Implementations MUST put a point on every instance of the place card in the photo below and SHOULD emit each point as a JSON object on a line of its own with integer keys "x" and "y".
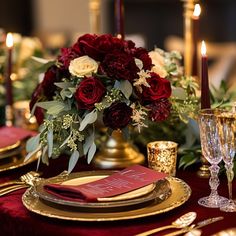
{"x": 120, "y": 182}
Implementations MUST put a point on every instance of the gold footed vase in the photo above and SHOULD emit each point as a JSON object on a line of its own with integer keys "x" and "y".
{"x": 117, "y": 153}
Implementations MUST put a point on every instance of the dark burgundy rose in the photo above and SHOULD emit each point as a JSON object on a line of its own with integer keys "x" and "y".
{"x": 53, "y": 74}
{"x": 119, "y": 66}
{"x": 89, "y": 92}
{"x": 86, "y": 45}
{"x": 142, "y": 54}
{"x": 36, "y": 97}
{"x": 159, "y": 110}
{"x": 67, "y": 54}
{"x": 117, "y": 116}
{"x": 159, "y": 88}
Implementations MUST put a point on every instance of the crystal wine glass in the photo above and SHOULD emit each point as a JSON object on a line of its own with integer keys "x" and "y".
{"x": 211, "y": 151}
{"x": 227, "y": 129}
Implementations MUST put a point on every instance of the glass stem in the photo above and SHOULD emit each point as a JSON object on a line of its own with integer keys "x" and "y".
{"x": 214, "y": 180}
{"x": 230, "y": 177}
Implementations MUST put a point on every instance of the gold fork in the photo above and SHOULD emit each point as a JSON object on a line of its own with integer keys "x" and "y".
{"x": 10, "y": 189}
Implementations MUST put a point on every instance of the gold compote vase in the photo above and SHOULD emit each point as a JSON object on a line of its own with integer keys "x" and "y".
{"x": 117, "y": 153}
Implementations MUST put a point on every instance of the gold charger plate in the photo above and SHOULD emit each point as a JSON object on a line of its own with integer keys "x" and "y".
{"x": 17, "y": 160}
{"x": 158, "y": 192}
{"x": 180, "y": 194}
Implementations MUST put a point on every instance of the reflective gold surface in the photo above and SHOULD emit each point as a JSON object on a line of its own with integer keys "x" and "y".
{"x": 180, "y": 194}
{"x": 117, "y": 153}
{"x": 162, "y": 156}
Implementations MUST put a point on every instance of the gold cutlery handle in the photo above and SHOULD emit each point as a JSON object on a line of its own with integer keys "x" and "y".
{"x": 152, "y": 231}
{"x": 12, "y": 182}
{"x": 11, "y": 189}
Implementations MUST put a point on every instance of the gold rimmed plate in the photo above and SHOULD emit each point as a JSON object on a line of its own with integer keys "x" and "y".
{"x": 180, "y": 193}
{"x": 16, "y": 159}
{"x": 157, "y": 191}
{"x": 8, "y": 150}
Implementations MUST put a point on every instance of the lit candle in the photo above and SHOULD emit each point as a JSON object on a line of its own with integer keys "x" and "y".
{"x": 195, "y": 18}
{"x": 119, "y": 16}
{"x": 9, "y": 96}
{"x": 205, "y": 92}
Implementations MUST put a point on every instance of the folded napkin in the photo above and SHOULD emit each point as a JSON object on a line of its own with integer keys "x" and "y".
{"x": 120, "y": 182}
{"x": 10, "y": 135}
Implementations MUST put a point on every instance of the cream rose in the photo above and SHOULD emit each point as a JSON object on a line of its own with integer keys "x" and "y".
{"x": 158, "y": 62}
{"x": 82, "y": 66}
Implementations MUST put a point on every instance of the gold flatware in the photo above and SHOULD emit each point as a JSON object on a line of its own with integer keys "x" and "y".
{"x": 182, "y": 222}
{"x": 197, "y": 226}
{"x": 226, "y": 232}
{"x": 27, "y": 178}
{"x": 10, "y": 189}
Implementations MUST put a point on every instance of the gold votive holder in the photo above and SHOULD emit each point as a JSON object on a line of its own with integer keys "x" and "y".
{"x": 162, "y": 156}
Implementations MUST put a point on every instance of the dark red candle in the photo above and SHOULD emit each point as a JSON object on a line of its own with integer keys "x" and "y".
{"x": 119, "y": 18}
{"x": 195, "y": 25}
{"x": 9, "y": 95}
{"x": 205, "y": 92}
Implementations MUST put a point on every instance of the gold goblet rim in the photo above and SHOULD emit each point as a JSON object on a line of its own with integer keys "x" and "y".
{"x": 162, "y": 144}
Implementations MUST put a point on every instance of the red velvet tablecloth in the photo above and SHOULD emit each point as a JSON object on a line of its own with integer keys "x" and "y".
{"x": 15, "y": 219}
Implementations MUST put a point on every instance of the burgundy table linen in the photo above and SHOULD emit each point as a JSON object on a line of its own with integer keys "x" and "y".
{"x": 15, "y": 219}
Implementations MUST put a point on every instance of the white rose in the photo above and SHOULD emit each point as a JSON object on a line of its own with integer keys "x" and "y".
{"x": 159, "y": 70}
{"x": 82, "y": 66}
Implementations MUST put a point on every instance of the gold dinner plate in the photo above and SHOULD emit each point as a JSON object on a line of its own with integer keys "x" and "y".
{"x": 158, "y": 191}
{"x": 16, "y": 160}
{"x": 180, "y": 194}
{"x": 8, "y": 150}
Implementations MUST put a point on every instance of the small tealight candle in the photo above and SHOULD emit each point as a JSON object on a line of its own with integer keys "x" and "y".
{"x": 205, "y": 92}
{"x": 119, "y": 15}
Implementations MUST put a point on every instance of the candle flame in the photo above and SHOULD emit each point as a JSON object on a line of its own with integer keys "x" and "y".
{"x": 197, "y": 10}
{"x": 203, "y": 48}
{"x": 9, "y": 40}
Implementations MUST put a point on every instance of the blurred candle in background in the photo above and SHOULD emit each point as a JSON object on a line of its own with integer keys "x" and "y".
{"x": 8, "y": 82}
{"x": 205, "y": 92}
{"x": 195, "y": 18}
{"x": 119, "y": 18}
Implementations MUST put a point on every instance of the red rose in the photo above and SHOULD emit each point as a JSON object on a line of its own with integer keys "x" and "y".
{"x": 89, "y": 92}
{"x": 117, "y": 116}
{"x": 53, "y": 74}
{"x": 159, "y": 88}
{"x": 142, "y": 54}
{"x": 120, "y": 66}
{"x": 67, "y": 54}
{"x": 159, "y": 110}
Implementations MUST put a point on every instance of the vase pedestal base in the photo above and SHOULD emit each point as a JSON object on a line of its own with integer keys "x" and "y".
{"x": 117, "y": 154}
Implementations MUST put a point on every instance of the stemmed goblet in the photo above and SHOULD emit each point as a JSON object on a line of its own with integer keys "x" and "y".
{"x": 211, "y": 151}
{"x": 227, "y": 128}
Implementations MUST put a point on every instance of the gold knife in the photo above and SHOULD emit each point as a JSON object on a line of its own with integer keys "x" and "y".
{"x": 199, "y": 225}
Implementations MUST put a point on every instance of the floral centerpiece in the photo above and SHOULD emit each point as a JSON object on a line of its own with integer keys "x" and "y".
{"x": 109, "y": 79}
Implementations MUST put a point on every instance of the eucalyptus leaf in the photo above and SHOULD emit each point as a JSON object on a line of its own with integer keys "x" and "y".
{"x": 88, "y": 143}
{"x": 32, "y": 143}
{"x": 66, "y": 94}
{"x": 73, "y": 160}
{"x": 41, "y": 60}
{"x": 64, "y": 85}
{"x": 30, "y": 154}
{"x": 57, "y": 108}
{"x": 45, "y": 156}
{"x": 66, "y": 140}
{"x": 179, "y": 93}
{"x": 50, "y": 142}
{"x": 91, "y": 152}
{"x": 125, "y": 87}
{"x": 88, "y": 119}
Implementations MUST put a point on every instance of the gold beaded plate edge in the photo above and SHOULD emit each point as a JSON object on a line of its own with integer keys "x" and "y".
{"x": 180, "y": 194}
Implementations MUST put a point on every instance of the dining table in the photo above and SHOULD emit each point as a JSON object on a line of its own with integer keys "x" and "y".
{"x": 15, "y": 219}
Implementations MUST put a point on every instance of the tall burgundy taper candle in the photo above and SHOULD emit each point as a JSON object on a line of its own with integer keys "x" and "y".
{"x": 8, "y": 82}
{"x": 195, "y": 19}
{"x": 9, "y": 44}
{"x": 119, "y": 18}
{"x": 205, "y": 92}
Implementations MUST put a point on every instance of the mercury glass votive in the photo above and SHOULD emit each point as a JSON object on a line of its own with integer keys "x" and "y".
{"x": 162, "y": 156}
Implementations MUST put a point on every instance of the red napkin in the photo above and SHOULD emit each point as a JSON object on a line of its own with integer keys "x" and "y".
{"x": 123, "y": 181}
{"x": 10, "y": 135}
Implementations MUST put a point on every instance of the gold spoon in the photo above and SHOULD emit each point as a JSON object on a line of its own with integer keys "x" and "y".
{"x": 181, "y": 222}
